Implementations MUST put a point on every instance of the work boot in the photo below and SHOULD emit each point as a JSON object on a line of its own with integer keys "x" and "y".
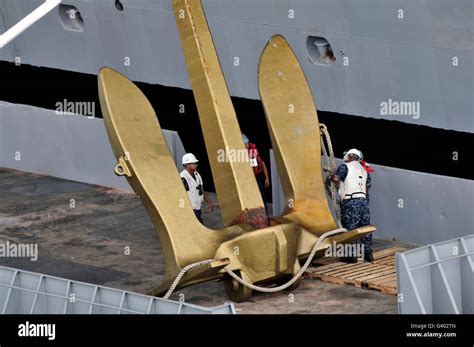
{"x": 369, "y": 257}
{"x": 349, "y": 259}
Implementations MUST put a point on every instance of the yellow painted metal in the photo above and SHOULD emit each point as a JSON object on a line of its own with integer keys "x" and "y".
{"x": 141, "y": 150}
{"x": 294, "y": 130}
{"x": 259, "y": 255}
{"x": 236, "y": 187}
{"x": 144, "y": 159}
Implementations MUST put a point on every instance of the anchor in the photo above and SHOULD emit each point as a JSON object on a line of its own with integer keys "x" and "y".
{"x": 252, "y": 249}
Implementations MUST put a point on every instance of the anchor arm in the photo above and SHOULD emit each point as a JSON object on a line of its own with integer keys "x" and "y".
{"x": 292, "y": 119}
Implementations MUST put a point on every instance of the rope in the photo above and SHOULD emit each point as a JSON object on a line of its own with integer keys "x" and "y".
{"x": 330, "y": 167}
{"x": 182, "y": 272}
{"x": 295, "y": 277}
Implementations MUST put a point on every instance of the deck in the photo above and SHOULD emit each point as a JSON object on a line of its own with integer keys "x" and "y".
{"x": 104, "y": 236}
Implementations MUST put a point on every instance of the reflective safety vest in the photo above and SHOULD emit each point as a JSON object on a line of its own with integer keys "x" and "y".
{"x": 354, "y": 185}
{"x": 255, "y": 160}
{"x": 194, "y": 188}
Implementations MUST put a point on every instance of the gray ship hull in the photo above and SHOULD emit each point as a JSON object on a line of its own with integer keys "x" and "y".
{"x": 386, "y": 52}
{"x": 379, "y": 58}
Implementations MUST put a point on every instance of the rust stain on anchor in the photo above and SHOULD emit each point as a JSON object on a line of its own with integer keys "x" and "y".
{"x": 256, "y": 217}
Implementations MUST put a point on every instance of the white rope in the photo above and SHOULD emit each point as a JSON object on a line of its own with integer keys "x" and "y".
{"x": 182, "y": 272}
{"x": 250, "y": 285}
{"x": 330, "y": 167}
{"x": 295, "y": 277}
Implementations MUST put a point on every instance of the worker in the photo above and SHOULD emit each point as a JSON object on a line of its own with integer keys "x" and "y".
{"x": 259, "y": 168}
{"x": 354, "y": 182}
{"x": 194, "y": 185}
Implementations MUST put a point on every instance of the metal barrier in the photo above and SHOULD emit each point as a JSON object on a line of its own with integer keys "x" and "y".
{"x": 437, "y": 278}
{"x": 23, "y": 292}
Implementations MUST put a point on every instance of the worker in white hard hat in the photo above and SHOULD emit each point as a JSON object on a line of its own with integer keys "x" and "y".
{"x": 353, "y": 182}
{"x": 194, "y": 185}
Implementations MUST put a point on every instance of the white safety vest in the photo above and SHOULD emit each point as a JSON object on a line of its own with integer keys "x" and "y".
{"x": 354, "y": 186}
{"x": 193, "y": 192}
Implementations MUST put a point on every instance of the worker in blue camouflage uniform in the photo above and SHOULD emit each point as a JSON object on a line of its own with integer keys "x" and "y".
{"x": 353, "y": 182}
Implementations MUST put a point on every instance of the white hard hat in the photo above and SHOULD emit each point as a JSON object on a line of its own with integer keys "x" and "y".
{"x": 189, "y": 158}
{"x": 354, "y": 151}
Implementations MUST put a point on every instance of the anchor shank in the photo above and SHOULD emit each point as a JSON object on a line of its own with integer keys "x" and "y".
{"x": 236, "y": 187}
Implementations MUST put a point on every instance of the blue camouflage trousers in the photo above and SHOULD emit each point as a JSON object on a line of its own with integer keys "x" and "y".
{"x": 354, "y": 214}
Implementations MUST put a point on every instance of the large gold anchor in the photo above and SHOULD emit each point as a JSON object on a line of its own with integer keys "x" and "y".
{"x": 251, "y": 246}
